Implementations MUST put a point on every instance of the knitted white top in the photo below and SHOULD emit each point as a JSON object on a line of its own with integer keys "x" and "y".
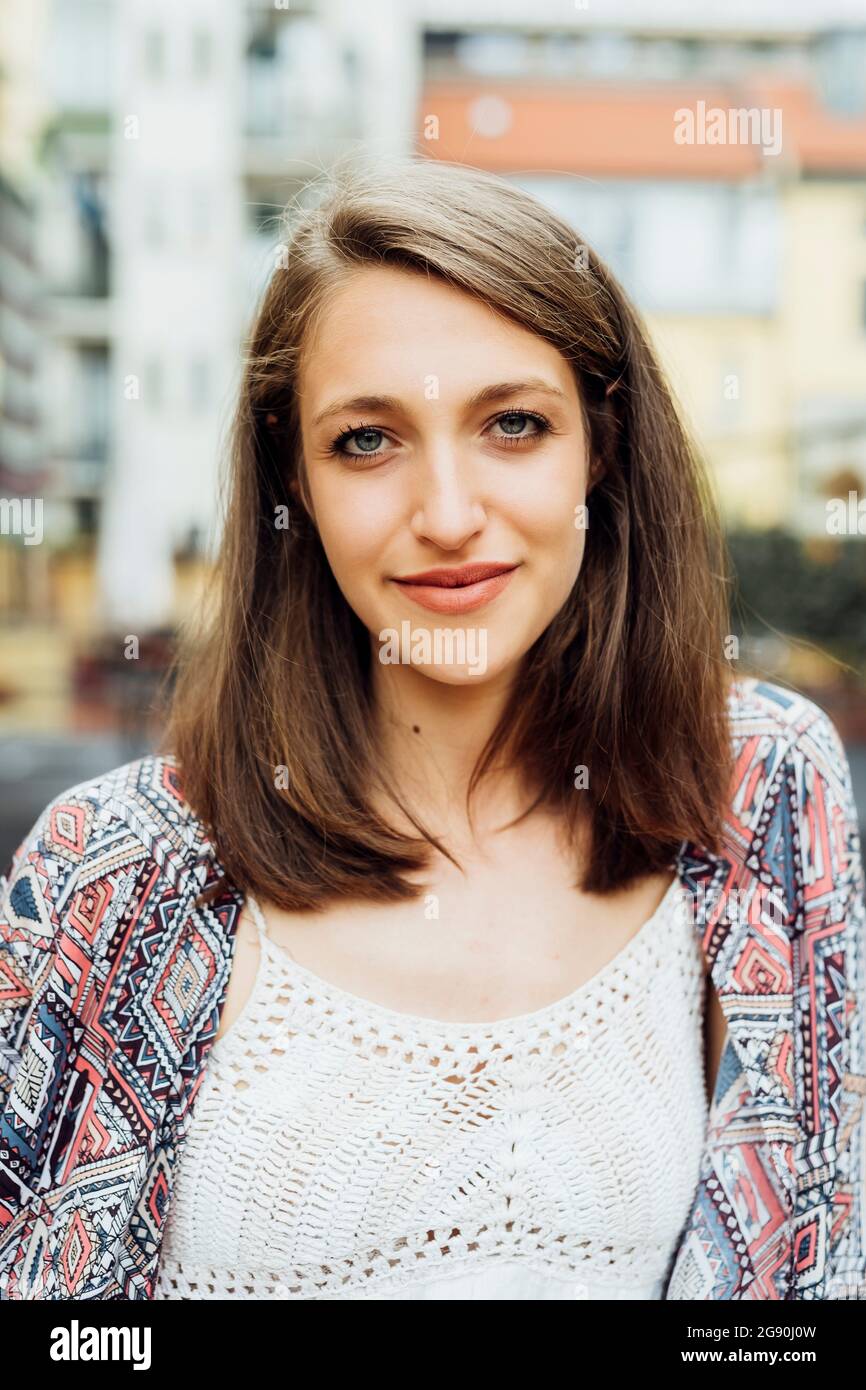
{"x": 340, "y": 1149}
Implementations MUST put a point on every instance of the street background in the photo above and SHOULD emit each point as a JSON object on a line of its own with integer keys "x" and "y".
{"x": 146, "y": 151}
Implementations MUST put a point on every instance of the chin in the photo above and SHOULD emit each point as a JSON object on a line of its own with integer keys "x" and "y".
{"x": 449, "y": 654}
{"x": 455, "y": 675}
{"x": 467, "y": 673}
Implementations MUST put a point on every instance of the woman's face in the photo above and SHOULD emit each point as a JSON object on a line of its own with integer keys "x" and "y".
{"x": 446, "y": 464}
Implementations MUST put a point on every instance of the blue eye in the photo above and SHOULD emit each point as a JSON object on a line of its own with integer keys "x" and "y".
{"x": 368, "y": 439}
{"x": 363, "y": 439}
{"x": 520, "y": 418}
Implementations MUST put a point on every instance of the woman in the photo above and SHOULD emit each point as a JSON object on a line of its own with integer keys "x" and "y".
{"x": 406, "y": 968}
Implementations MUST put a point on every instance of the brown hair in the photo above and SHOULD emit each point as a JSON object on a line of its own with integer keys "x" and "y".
{"x": 628, "y": 680}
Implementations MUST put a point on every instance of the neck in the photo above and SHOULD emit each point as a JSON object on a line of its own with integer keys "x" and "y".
{"x": 430, "y": 736}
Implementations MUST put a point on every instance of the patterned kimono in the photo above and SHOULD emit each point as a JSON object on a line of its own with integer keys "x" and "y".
{"x": 112, "y": 984}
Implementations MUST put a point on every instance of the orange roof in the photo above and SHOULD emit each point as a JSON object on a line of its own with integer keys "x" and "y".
{"x": 627, "y": 130}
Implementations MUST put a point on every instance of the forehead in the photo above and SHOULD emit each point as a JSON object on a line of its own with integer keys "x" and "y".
{"x": 385, "y": 320}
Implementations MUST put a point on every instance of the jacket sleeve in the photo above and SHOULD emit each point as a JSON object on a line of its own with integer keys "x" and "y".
{"x": 829, "y": 1260}
{"x": 30, "y": 891}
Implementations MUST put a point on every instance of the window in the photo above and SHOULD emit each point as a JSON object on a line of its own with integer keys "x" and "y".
{"x": 87, "y": 513}
{"x": 154, "y": 215}
{"x": 154, "y": 53}
{"x": 153, "y": 384}
{"x": 202, "y": 52}
{"x": 199, "y": 383}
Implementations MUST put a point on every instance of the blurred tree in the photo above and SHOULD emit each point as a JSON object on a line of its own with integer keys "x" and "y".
{"x": 804, "y": 590}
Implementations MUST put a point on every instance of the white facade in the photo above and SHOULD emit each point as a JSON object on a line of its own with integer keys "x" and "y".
{"x": 215, "y": 114}
{"x": 176, "y": 231}
{"x": 216, "y": 108}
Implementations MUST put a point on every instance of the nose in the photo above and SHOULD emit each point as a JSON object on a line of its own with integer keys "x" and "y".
{"x": 449, "y": 510}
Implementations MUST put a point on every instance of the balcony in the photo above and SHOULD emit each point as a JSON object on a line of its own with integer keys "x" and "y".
{"x": 298, "y": 97}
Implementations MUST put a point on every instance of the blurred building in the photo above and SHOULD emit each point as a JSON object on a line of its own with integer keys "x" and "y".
{"x": 153, "y": 146}
{"x": 748, "y": 259}
{"x": 178, "y": 135}
{"x": 23, "y": 471}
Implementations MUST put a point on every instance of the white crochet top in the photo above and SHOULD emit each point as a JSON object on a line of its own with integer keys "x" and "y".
{"x": 338, "y": 1149}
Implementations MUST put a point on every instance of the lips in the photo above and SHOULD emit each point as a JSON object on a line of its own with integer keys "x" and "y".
{"x": 458, "y": 590}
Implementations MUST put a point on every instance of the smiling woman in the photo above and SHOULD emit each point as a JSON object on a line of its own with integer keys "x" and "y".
{"x": 399, "y": 958}
{"x": 441, "y": 377}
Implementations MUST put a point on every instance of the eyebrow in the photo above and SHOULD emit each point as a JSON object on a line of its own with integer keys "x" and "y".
{"x": 496, "y": 392}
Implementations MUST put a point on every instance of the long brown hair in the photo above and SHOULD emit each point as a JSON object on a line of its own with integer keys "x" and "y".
{"x": 271, "y": 713}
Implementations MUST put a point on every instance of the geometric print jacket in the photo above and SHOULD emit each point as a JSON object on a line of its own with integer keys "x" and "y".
{"x": 112, "y": 983}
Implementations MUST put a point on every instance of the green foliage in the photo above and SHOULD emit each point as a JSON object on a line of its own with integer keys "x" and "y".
{"x": 816, "y": 592}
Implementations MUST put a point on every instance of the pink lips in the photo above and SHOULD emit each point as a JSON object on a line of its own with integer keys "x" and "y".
{"x": 459, "y": 590}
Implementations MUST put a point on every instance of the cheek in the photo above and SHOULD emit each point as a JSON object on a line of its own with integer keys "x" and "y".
{"x": 553, "y": 520}
{"x": 552, "y": 512}
{"x": 354, "y": 522}
{"x": 561, "y": 561}
{"x": 346, "y": 546}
